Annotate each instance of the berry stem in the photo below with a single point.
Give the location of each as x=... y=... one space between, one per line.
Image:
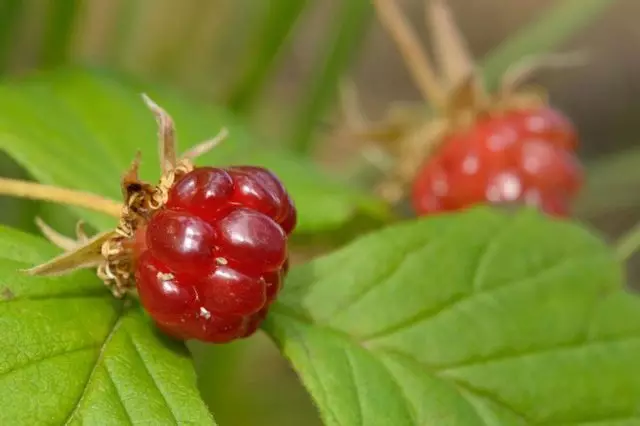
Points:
x=409 y=46
x=628 y=243
x=36 y=191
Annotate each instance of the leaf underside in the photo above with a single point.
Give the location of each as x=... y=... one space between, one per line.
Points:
x=72 y=354
x=81 y=130
x=479 y=318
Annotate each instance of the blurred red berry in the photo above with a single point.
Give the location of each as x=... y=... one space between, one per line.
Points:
x=518 y=157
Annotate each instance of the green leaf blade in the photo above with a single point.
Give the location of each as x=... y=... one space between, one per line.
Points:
x=477 y=318
x=72 y=354
x=82 y=130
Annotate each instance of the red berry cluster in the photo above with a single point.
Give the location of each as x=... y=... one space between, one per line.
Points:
x=523 y=156
x=211 y=261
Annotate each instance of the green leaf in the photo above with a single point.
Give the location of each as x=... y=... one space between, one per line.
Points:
x=11 y=12
x=612 y=184
x=81 y=130
x=59 y=32
x=72 y=354
x=545 y=34
x=340 y=48
x=281 y=18
x=477 y=318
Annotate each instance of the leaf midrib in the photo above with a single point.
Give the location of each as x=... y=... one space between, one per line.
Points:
x=117 y=323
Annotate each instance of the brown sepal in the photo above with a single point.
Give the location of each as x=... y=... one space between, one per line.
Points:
x=85 y=255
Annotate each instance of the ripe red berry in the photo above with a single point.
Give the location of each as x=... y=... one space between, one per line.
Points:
x=251 y=240
x=168 y=296
x=273 y=283
x=213 y=259
x=228 y=291
x=521 y=156
x=205 y=192
x=259 y=189
x=182 y=241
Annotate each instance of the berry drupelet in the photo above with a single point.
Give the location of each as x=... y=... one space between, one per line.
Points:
x=213 y=258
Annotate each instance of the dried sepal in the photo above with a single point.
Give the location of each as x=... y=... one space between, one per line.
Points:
x=87 y=254
x=458 y=71
x=415 y=149
x=202 y=148
x=408 y=43
x=59 y=240
x=166 y=135
x=522 y=70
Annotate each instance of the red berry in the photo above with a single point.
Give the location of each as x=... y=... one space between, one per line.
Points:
x=182 y=241
x=273 y=282
x=204 y=326
x=548 y=124
x=546 y=166
x=254 y=322
x=228 y=291
x=167 y=296
x=204 y=192
x=290 y=219
x=213 y=259
x=138 y=244
x=251 y=241
x=520 y=156
x=259 y=189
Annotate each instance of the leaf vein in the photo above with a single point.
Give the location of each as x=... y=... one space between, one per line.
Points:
x=119 y=395
x=454 y=302
x=115 y=327
x=562 y=347
x=489 y=248
x=153 y=378
x=354 y=386
x=48 y=357
x=414 y=251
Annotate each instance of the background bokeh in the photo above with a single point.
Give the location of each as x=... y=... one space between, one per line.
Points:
x=276 y=63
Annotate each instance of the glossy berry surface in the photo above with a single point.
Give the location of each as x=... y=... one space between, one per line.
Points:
x=524 y=157
x=212 y=260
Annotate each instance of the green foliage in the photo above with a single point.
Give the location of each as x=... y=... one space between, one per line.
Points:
x=612 y=184
x=59 y=32
x=81 y=130
x=71 y=354
x=10 y=14
x=281 y=18
x=470 y=319
x=339 y=52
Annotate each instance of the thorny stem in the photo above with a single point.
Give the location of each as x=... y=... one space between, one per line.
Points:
x=70 y=197
x=628 y=243
x=409 y=45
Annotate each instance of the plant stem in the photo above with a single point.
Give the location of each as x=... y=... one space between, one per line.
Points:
x=628 y=243
x=69 y=197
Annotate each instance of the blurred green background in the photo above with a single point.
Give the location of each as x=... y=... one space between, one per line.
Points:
x=276 y=63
